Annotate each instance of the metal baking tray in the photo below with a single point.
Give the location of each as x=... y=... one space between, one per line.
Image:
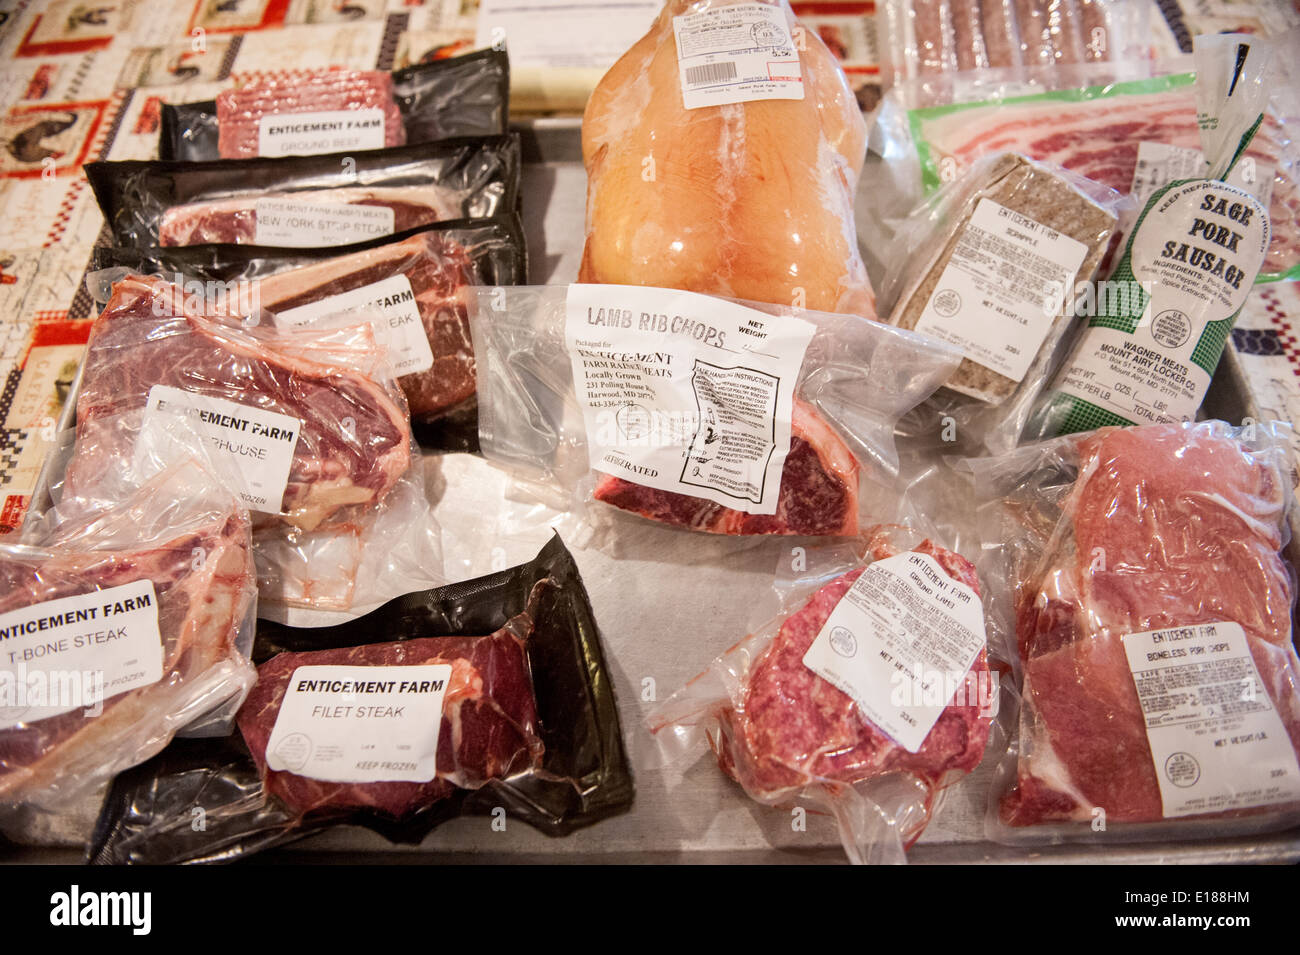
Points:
x=667 y=603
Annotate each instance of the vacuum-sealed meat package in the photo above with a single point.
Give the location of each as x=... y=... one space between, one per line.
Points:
x=305 y=112
x=306 y=201
x=720 y=167
x=414 y=288
x=867 y=696
x=1151 y=614
x=488 y=697
x=694 y=411
x=126 y=615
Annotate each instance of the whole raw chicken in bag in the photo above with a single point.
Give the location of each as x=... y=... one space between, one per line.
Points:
x=722 y=154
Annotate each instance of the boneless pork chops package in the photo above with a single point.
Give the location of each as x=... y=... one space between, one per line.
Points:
x=867 y=695
x=489 y=697
x=1149 y=610
x=694 y=411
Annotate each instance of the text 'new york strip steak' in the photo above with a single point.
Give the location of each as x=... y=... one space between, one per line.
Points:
x=354 y=439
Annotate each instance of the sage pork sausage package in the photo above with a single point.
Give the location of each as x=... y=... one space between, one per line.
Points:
x=488 y=697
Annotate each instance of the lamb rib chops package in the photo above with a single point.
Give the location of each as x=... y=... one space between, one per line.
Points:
x=867 y=695
x=463 y=96
x=415 y=285
x=694 y=411
x=127 y=615
x=306 y=201
x=1149 y=610
x=527 y=723
x=310 y=422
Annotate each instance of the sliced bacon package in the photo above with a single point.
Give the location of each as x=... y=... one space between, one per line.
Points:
x=1149 y=608
x=305 y=112
x=488 y=697
x=697 y=412
x=869 y=694
x=415 y=288
x=307 y=202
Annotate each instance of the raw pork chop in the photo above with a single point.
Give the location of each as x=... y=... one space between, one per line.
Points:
x=235 y=220
x=489 y=719
x=1188 y=524
x=355 y=440
x=200 y=607
x=439 y=271
x=819 y=491
x=751 y=200
x=239 y=110
x=792 y=728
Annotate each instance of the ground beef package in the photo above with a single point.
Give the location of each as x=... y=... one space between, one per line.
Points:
x=463 y=96
x=529 y=724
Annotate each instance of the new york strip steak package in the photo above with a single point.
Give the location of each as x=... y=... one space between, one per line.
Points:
x=327 y=111
x=311 y=424
x=415 y=288
x=868 y=695
x=694 y=411
x=479 y=697
x=1149 y=611
x=306 y=201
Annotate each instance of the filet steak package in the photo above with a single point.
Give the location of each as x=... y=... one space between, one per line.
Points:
x=694 y=411
x=414 y=287
x=306 y=201
x=126 y=614
x=522 y=719
x=310 y=422
x=1150 y=612
x=867 y=696
x=305 y=112
x=998 y=264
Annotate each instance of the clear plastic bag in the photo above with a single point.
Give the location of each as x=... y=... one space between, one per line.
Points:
x=1149 y=610
x=788 y=734
x=743 y=195
x=845 y=391
x=155 y=554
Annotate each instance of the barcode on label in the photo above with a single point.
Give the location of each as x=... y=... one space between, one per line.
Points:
x=709 y=73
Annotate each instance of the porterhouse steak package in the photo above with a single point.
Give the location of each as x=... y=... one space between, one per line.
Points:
x=867 y=696
x=306 y=201
x=694 y=411
x=126 y=615
x=483 y=697
x=1150 y=611
x=329 y=111
x=311 y=424
x=414 y=287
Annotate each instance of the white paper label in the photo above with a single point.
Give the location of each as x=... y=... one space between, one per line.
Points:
x=327 y=131
x=684 y=392
x=292 y=224
x=75 y=652
x=390 y=306
x=1193 y=256
x=259 y=444
x=900 y=643
x=1004 y=284
x=1159 y=164
x=564 y=34
x=736 y=54
x=1216 y=739
x=360 y=724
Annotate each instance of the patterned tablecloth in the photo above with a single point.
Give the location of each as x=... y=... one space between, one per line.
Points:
x=84 y=80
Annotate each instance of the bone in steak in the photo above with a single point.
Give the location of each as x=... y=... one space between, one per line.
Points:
x=793 y=728
x=489 y=719
x=235 y=220
x=355 y=438
x=819 y=491
x=1188 y=523
x=240 y=110
x=201 y=605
